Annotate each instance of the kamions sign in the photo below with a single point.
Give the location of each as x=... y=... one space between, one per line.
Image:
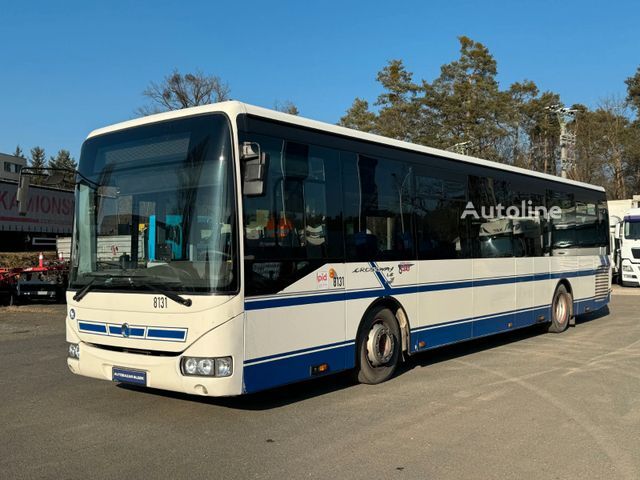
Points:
x=48 y=211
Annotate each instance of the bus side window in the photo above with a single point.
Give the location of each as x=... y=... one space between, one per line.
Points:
x=378 y=210
x=563 y=228
x=296 y=226
x=529 y=228
x=439 y=204
x=493 y=236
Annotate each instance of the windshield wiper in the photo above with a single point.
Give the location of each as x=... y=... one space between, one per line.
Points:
x=80 y=294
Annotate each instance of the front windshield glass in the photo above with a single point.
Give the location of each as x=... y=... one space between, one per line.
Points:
x=157 y=209
x=632 y=229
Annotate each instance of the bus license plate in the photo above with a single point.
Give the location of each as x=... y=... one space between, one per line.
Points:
x=124 y=375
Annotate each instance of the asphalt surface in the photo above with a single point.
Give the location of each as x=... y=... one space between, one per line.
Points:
x=520 y=405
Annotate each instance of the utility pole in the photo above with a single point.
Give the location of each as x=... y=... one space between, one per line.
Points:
x=567 y=139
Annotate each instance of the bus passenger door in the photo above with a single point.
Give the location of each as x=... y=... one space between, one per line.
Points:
x=294 y=270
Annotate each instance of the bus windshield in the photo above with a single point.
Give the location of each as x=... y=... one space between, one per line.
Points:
x=157 y=209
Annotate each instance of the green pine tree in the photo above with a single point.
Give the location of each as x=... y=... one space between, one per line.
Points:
x=39 y=163
x=359 y=117
x=64 y=160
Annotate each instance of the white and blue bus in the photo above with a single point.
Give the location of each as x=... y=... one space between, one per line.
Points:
x=256 y=249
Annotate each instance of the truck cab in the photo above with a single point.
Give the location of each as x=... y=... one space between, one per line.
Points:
x=627 y=239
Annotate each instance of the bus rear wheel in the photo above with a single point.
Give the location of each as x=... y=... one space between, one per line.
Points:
x=561 y=310
x=379 y=344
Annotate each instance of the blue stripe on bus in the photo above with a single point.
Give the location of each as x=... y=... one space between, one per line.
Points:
x=381 y=278
x=289 y=367
x=589 y=305
x=441 y=334
x=133 y=331
x=296 y=352
x=292 y=369
x=153 y=333
x=259 y=304
x=168 y=334
x=92 y=327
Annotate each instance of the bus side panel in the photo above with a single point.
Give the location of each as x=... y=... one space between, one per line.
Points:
x=564 y=265
x=445 y=303
x=595 y=287
x=542 y=289
x=525 y=295
x=289 y=333
x=494 y=295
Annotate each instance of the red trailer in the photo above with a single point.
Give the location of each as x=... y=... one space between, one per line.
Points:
x=48 y=282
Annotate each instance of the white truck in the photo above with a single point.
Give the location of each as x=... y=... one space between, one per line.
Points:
x=626 y=248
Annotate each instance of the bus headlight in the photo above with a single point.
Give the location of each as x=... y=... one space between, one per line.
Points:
x=207 y=367
x=189 y=366
x=627 y=268
x=224 y=366
x=74 y=351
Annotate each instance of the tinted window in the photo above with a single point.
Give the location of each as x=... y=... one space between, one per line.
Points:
x=587 y=224
x=492 y=234
x=440 y=199
x=530 y=226
x=296 y=225
x=378 y=200
x=563 y=229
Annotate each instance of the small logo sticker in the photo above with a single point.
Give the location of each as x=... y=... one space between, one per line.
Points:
x=322 y=280
x=335 y=280
x=404 y=267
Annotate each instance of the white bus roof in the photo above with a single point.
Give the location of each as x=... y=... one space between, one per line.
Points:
x=235 y=108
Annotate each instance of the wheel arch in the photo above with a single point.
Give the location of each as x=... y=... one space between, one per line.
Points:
x=398 y=311
x=567 y=284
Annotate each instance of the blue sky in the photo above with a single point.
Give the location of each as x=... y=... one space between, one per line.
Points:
x=69 y=67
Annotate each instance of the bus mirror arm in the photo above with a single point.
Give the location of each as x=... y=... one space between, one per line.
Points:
x=254 y=167
x=52 y=176
x=22 y=195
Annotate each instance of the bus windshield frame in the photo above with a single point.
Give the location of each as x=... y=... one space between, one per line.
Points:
x=159 y=209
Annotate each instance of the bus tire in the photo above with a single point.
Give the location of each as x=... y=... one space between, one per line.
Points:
x=561 y=310
x=378 y=347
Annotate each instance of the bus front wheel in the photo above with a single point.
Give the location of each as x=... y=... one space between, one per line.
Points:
x=561 y=310
x=379 y=344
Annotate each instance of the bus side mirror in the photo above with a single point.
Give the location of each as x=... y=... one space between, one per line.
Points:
x=616 y=232
x=22 y=196
x=254 y=163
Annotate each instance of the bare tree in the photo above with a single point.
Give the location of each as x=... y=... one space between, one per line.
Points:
x=286 y=107
x=178 y=91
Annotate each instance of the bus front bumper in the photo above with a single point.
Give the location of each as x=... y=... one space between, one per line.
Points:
x=163 y=372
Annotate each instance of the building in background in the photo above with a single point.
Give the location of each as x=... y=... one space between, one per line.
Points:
x=10 y=166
